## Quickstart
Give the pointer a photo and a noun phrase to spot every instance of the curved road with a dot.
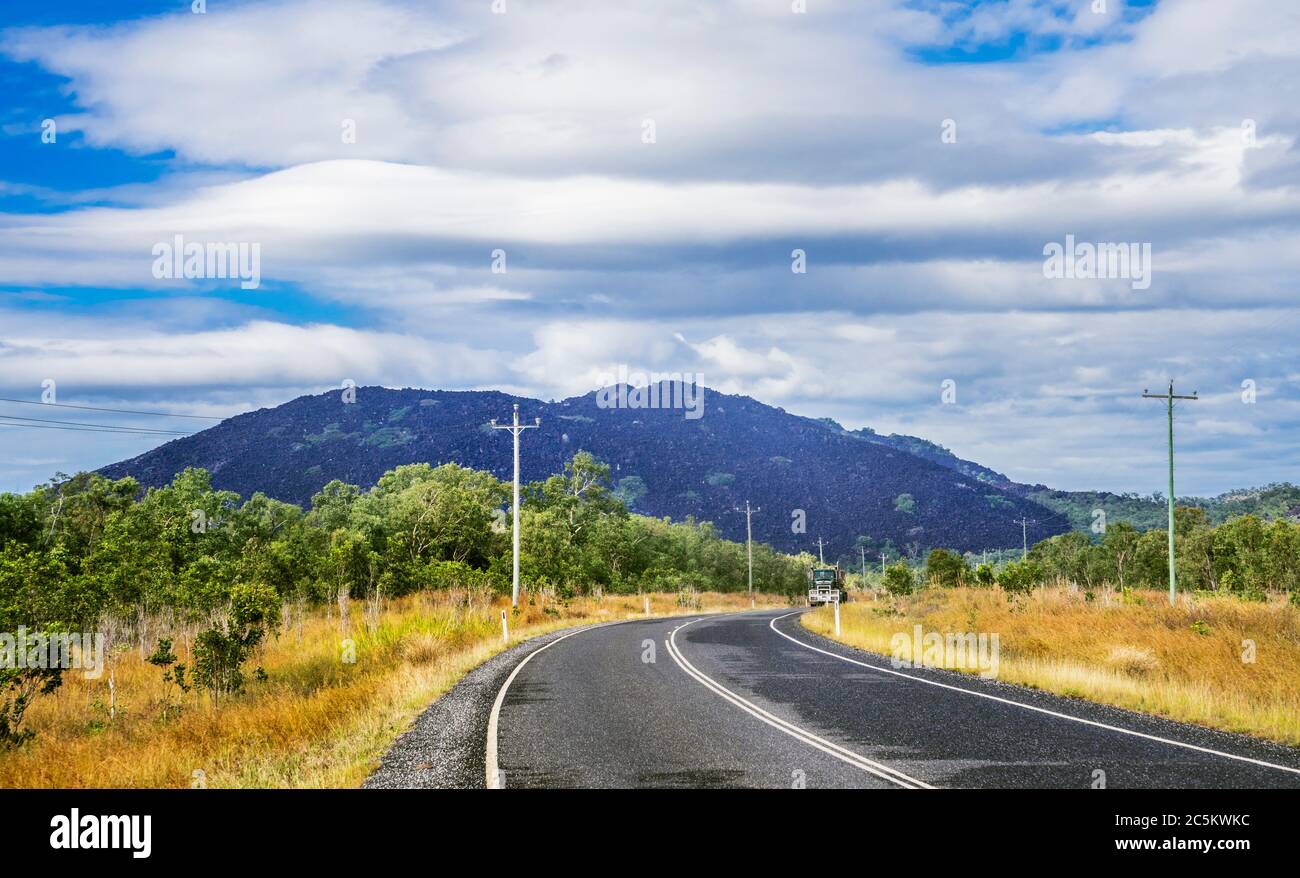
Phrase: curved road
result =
(755, 700)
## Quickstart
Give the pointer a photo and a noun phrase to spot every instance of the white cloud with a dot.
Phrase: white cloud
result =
(774, 131)
(259, 354)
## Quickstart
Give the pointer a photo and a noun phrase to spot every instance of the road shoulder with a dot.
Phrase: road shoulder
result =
(445, 746)
(1078, 709)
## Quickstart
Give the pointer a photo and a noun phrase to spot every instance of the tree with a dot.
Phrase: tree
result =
(1119, 546)
(173, 675)
(946, 568)
(898, 579)
(1020, 576)
(630, 489)
(220, 651)
(579, 496)
(36, 595)
(1068, 555)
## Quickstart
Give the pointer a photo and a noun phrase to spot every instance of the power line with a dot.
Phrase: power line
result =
(124, 431)
(91, 408)
(92, 424)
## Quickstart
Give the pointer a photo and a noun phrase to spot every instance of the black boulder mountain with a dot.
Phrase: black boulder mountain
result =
(846, 484)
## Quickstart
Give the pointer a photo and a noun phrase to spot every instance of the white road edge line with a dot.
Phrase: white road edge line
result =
(1086, 722)
(856, 760)
(490, 766)
(490, 761)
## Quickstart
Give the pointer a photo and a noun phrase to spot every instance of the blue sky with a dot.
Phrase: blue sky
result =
(1171, 124)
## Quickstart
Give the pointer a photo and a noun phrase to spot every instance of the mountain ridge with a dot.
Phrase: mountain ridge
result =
(797, 469)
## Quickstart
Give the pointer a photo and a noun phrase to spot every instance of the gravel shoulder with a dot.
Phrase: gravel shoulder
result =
(445, 748)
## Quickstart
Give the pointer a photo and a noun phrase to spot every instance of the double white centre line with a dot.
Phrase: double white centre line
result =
(857, 760)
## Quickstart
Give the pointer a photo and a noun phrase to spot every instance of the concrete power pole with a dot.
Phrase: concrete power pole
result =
(749, 545)
(820, 556)
(515, 429)
(1169, 398)
(1024, 538)
(863, 550)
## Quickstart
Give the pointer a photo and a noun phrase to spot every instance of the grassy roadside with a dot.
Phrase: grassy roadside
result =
(1185, 662)
(315, 721)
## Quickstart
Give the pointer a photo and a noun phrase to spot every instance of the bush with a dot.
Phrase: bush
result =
(984, 575)
(220, 651)
(946, 568)
(1020, 576)
(899, 579)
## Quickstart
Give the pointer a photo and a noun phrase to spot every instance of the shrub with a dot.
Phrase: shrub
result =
(173, 675)
(946, 568)
(220, 651)
(1020, 576)
(899, 579)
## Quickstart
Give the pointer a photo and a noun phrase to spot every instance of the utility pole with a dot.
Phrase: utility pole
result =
(863, 550)
(1169, 398)
(515, 429)
(749, 546)
(882, 563)
(1024, 538)
(821, 557)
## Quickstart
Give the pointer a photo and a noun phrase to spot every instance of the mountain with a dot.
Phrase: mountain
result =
(1269, 502)
(938, 454)
(844, 485)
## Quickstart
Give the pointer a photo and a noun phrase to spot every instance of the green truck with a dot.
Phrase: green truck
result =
(826, 585)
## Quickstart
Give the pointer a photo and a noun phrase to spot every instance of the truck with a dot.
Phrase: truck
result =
(826, 585)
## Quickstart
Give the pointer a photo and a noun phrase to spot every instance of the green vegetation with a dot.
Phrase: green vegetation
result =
(90, 554)
(1147, 513)
(1246, 556)
(387, 437)
(946, 568)
(630, 489)
(905, 503)
(898, 579)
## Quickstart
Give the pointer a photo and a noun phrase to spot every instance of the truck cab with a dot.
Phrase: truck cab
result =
(825, 585)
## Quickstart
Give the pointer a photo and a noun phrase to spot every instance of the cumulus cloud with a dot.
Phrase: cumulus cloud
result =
(525, 133)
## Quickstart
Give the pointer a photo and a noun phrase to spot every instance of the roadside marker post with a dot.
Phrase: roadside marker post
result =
(647, 605)
(837, 616)
(505, 628)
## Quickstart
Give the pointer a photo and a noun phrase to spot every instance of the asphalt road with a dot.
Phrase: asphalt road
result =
(755, 700)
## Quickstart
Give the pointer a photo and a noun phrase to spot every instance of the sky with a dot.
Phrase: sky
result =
(525, 195)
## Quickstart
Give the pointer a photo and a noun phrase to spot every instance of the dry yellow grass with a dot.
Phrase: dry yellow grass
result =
(1183, 662)
(315, 722)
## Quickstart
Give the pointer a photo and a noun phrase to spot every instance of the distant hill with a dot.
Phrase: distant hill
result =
(936, 454)
(1269, 502)
(847, 485)
(1143, 512)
